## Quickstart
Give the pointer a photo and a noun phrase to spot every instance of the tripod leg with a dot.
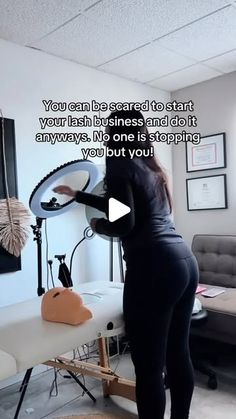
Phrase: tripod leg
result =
(23, 390)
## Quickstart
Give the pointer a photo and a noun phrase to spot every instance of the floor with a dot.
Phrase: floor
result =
(210, 404)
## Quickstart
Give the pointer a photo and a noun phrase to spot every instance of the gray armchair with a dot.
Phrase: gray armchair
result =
(216, 256)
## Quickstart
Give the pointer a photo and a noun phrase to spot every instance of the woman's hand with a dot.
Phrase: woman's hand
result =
(64, 190)
(93, 223)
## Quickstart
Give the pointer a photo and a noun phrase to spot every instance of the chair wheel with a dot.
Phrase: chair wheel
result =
(212, 383)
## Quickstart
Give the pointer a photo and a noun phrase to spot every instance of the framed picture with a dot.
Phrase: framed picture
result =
(208, 154)
(205, 193)
(8, 262)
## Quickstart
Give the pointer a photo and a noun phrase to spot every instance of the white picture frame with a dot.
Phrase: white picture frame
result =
(209, 154)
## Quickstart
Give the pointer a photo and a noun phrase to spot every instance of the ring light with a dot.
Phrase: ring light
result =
(45, 210)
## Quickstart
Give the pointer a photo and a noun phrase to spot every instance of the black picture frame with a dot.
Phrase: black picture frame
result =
(213, 143)
(8, 262)
(197, 195)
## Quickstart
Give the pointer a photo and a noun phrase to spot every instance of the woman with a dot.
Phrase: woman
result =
(161, 272)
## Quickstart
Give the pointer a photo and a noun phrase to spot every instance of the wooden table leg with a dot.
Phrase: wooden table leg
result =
(112, 383)
(119, 386)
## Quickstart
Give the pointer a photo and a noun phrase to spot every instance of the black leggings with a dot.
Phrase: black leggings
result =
(158, 301)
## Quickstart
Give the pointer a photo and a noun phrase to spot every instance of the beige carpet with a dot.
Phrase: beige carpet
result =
(99, 416)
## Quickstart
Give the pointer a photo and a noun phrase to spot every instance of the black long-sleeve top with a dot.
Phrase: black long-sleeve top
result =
(133, 183)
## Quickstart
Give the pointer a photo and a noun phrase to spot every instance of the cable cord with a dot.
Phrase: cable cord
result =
(46, 238)
(87, 234)
(119, 357)
(51, 274)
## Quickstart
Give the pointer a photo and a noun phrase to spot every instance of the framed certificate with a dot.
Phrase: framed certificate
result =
(205, 193)
(208, 154)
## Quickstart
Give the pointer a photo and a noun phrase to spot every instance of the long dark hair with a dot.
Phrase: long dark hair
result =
(133, 122)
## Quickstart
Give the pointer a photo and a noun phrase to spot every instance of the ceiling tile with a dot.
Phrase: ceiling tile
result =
(183, 78)
(117, 35)
(147, 63)
(116, 27)
(225, 63)
(210, 36)
(80, 41)
(28, 20)
(135, 22)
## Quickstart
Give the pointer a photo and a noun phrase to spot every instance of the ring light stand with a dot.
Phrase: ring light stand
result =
(94, 213)
(44, 210)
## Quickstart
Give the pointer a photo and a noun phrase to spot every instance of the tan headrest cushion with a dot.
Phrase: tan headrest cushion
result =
(63, 305)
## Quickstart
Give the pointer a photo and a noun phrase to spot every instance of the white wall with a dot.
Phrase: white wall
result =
(26, 78)
(215, 108)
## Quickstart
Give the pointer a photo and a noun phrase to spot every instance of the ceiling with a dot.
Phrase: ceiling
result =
(169, 44)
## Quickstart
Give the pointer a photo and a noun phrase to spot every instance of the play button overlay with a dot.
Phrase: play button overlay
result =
(116, 209)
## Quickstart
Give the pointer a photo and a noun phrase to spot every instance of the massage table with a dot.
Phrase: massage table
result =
(26, 340)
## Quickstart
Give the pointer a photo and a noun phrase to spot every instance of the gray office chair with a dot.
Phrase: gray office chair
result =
(198, 358)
